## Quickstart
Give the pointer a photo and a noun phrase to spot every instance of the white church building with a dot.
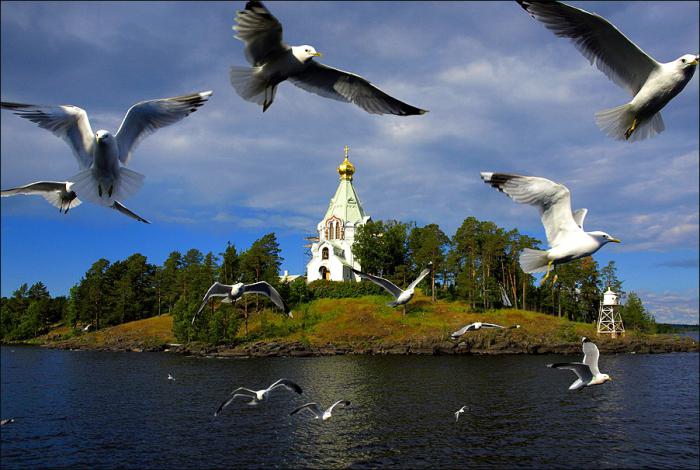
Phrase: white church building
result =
(331, 252)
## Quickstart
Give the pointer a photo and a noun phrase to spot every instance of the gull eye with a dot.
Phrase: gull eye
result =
(683, 60)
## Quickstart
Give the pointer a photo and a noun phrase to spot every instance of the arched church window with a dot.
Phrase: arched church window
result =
(324, 253)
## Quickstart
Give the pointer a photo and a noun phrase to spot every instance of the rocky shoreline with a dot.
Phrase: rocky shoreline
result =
(475, 345)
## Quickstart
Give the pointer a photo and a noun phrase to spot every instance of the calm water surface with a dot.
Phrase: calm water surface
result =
(109, 410)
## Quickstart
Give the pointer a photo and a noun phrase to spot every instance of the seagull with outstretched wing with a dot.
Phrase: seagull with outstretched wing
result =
(652, 84)
(402, 296)
(234, 292)
(479, 325)
(564, 229)
(256, 396)
(273, 62)
(587, 371)
(318, 412)
(103, 178)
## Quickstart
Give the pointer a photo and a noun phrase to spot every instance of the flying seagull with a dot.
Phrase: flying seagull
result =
(61, 194)
(256, 396)
(318, 412)
(460, 411)
(274, 61)
(402, 296)
(652, 84)
(102, 178)
(564, 228)
(236, 291)
(479, 325)
(6, 421)
(587, 371)
(170, 377)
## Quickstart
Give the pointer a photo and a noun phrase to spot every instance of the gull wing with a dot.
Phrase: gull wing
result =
(260, 31)
(505, 300)
(146, 117)
(420, 277)
(579, 216)
(239, 392)
(380, 281)
(57, 193)
(312, 407)
(286, 383)
(267, 290)
(342, 403)
(464, 329)
(68, 122)
(553, 200)
(582, 370)
(216, 290)
(590, 356)
(119, 207)
(491, 325)
(598, 40)
(339, 85)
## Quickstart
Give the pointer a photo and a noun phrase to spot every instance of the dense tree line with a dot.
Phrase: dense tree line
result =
(472, 265)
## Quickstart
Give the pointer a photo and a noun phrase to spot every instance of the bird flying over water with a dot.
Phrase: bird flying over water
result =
(402, 296)
(256, 396)
(586, 371)
(103, 179)
(319, 413)
(273, 62)
(460, 411)
(479, 325)
(236, 291)
(61, 194)
(6, 421)
(170, 377)
(652, 84)
(564, 228)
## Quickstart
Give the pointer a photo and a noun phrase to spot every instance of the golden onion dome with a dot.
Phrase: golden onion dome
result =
(346, 169)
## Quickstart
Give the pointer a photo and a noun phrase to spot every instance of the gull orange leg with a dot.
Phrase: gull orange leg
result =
(549, 269)
(630, 131)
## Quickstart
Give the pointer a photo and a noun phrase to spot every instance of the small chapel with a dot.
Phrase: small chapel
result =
(331, 251)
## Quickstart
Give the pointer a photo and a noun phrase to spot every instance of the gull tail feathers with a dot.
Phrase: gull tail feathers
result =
(533, 261)
(56, 200)
(248, 83)
(127, 184)
(86, 186)
(615, 122)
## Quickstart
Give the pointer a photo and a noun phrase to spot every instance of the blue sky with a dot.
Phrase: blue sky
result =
(504, 94)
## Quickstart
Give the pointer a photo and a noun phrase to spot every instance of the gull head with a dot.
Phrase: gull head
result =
(102, 136)
(606, 378)
(603, 237)
(688, 60)
(304, 53)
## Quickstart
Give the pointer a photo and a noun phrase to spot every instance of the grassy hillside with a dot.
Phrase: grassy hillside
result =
(366, 324)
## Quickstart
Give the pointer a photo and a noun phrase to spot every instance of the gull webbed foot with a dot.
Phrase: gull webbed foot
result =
(630, 131)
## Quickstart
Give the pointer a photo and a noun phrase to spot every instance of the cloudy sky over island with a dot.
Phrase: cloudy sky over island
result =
(504, 94)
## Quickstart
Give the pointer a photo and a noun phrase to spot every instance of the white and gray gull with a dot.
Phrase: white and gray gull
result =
(402, 296)
(563, 227)
(586, 371)
(256, 396)
(479, 325)
(319, 413)
(273, 62)
(233, 292)
(61, 194)
(103, 179)
(652, 84)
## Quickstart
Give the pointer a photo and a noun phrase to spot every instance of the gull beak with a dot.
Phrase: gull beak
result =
(615, 240)
(695, 61)
(318, 54)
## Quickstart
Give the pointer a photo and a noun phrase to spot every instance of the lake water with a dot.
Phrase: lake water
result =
(109, 410)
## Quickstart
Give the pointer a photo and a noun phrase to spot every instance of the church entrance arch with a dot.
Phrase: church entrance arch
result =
(324, 273)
